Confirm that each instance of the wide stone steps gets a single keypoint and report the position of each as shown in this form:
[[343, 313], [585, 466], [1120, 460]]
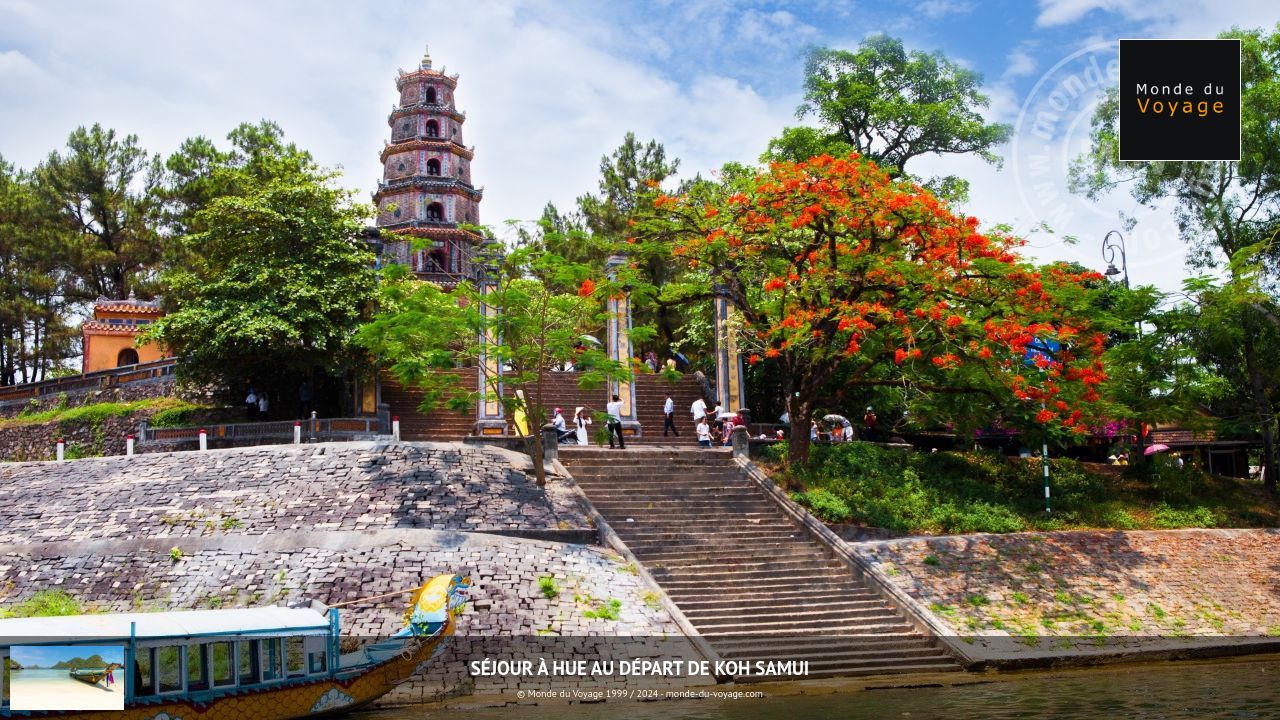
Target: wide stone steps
[[819, 642], [749, 579], [784, 629], [779, 598], [801, 611]]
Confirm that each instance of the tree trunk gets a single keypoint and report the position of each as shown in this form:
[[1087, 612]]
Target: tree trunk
[[801, 410], [1266, 418]]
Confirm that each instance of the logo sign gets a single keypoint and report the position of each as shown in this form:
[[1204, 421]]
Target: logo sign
[[1042, 353], [1180, 100]]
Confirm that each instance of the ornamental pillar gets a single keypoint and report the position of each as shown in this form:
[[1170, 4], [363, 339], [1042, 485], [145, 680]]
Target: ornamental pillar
[[731, 391], [618, 344], [490, 418]]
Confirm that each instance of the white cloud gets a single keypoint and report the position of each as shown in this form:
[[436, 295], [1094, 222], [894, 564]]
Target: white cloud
[[1170, 18], [1021, 63], [546, 91]]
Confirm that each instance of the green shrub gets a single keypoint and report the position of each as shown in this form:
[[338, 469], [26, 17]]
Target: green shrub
[[176, 416], [1174, 485], [1169, 518], [825, 504], [46, 603]]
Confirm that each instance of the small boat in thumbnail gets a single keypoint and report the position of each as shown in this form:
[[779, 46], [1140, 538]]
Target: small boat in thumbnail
[[266, 663], [93, 676]]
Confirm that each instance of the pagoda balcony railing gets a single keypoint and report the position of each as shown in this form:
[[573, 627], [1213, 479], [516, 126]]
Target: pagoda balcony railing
[[429, 180], [436, 107], [428, 137]]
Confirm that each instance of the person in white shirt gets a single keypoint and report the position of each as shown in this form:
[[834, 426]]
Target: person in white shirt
[[615, 422], [699, 410], [581, 419], [704, 432], [669, 417], [562, 431], [262, 406]]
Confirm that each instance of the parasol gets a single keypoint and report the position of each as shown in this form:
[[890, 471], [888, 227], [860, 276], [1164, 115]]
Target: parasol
[[1158, 447]]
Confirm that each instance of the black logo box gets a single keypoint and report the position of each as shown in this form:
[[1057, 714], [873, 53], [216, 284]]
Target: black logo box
[[1161, 77]]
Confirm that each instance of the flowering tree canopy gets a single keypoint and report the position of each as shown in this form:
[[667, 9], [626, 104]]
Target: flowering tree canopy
[[832, 261]]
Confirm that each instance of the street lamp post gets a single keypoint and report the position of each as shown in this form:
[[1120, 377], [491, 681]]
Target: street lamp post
[[1109, 248]]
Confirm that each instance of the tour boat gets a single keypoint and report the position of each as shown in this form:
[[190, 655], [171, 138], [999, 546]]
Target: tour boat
[[266, 663]]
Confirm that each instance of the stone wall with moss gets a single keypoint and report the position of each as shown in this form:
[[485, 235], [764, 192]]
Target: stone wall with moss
[[92, 429]]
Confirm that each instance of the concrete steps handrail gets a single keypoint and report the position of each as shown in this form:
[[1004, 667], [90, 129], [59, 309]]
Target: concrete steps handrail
[[915, 613]]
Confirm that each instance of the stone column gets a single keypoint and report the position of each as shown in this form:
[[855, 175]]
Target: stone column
[[490, 418], [618, 345], [730, 389]]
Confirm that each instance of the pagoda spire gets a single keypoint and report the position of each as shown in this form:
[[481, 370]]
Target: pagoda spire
[[426, 190]]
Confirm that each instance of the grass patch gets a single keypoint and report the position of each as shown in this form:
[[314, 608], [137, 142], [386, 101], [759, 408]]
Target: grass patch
[[968, 492], [549, 587], [46, 603], [606, 610], [169, 409]]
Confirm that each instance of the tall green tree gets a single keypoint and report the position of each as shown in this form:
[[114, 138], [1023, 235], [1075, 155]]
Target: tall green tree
[[104, 188], [1223, 209], [627, 177], [519, 323], [891, 106], [283, 279], [36, 336]]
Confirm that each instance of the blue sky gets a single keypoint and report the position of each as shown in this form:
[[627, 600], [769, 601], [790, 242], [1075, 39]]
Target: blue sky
[[50, 655], [550, 86]]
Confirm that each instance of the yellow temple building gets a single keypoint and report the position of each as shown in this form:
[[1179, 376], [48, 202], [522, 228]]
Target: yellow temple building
[[110, 336]]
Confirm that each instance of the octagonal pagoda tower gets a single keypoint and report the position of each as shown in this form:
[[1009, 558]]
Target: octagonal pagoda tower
[[426, 188]]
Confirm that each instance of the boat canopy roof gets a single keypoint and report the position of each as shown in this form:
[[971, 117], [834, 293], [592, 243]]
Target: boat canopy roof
[[72, 629]]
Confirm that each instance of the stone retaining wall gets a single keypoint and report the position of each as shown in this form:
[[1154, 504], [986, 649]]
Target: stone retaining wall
[[327, 486], [508, 612], [1046, 598], [159, 387]]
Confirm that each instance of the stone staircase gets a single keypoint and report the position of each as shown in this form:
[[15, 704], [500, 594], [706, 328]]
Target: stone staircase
[[750, 580]]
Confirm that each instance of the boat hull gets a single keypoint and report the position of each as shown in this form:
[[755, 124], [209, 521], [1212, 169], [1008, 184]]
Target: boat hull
[[304, 698]]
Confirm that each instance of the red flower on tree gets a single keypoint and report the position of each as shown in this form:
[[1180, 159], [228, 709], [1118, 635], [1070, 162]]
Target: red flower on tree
[[877, 272]]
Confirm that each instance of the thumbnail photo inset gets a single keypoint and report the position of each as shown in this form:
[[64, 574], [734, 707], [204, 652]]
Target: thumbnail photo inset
[[66, 677]]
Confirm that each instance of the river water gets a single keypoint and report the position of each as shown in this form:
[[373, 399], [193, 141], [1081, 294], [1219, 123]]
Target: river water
[[1173, 691]]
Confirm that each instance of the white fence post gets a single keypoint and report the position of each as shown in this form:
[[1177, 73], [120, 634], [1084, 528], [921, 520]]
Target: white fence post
[[204, 439], [62, 447], [395, 428], [128, 445], [297, 432]]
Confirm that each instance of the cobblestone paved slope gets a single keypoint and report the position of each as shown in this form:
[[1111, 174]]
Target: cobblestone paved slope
[[1091, 592], [328, 486]]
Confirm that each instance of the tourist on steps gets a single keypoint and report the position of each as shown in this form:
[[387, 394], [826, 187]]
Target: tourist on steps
[[562, 432], [581, 419], [699, 410], [704, 432], [615, 422], [251, 405], [669, 417]]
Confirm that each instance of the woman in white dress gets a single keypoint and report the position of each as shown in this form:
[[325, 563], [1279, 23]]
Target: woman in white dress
[[581, 419]]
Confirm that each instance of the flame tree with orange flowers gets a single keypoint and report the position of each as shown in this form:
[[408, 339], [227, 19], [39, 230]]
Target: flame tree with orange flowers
[[833, 262]]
